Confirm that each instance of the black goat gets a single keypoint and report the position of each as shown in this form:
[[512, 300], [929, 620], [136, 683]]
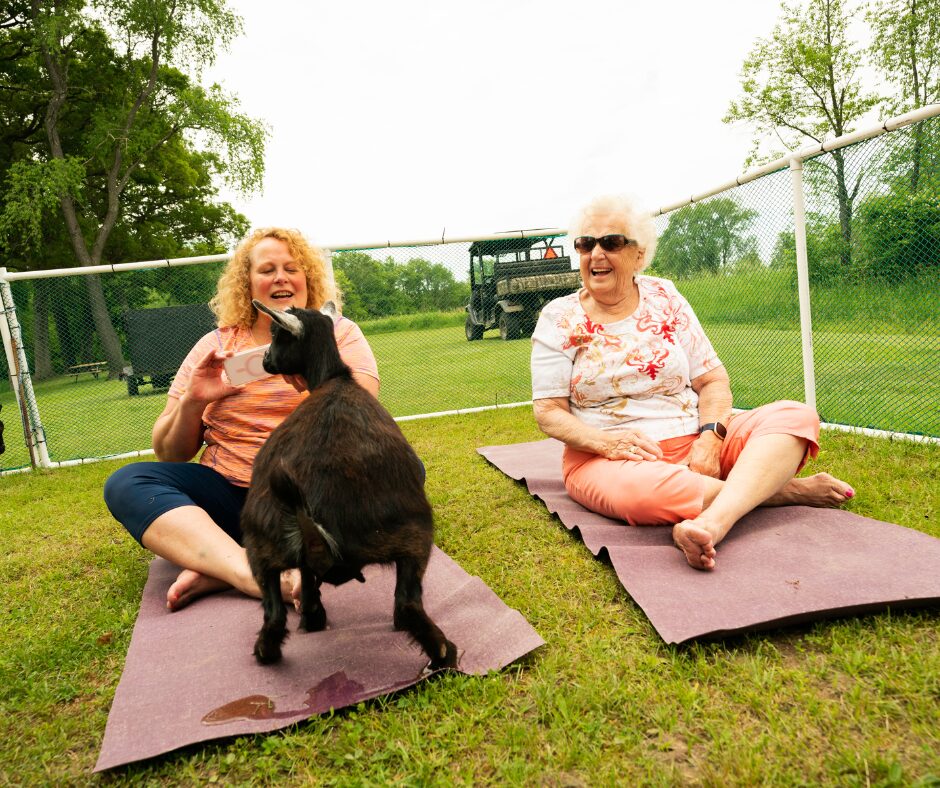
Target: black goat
[[335, 487]]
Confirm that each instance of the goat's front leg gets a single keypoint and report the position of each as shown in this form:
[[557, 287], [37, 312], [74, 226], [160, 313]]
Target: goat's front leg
[[411, 617], [274, 629], [312, 614]]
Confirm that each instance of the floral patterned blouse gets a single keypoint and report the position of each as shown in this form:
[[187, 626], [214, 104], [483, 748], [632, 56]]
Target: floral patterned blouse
[[636, 372]]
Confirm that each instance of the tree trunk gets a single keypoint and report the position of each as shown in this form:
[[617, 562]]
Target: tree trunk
[[918, 133], [42, 357], [110, 343], [845, 211], [69, 343]]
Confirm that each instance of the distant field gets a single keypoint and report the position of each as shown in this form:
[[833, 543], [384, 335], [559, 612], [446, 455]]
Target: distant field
[[889, 381]]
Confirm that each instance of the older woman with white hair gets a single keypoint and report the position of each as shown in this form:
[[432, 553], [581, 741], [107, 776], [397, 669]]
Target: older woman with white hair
[[625, 377]]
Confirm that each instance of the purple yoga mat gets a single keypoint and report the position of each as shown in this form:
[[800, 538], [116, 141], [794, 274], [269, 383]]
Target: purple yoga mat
[[777, 566], [190, 676]]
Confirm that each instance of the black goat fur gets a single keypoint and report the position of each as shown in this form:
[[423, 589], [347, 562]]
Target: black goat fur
[[335, 487]]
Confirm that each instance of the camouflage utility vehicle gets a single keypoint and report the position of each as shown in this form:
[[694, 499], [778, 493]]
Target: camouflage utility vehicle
[[511, 279]]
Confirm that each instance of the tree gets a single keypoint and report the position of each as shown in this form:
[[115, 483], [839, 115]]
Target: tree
[[802, 85], [899, 235], [373, 283], [429, 287], [824, 250], [705, 237], [117, 117], [906, 48]]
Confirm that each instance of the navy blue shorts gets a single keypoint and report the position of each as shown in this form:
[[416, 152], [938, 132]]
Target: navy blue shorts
[[139, 493]]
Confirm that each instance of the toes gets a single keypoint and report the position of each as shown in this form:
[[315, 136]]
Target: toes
[[696, 543]]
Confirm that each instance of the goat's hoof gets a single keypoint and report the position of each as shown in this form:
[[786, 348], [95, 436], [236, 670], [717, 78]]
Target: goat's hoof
[[314, 621], [267, 653], [448, 660]]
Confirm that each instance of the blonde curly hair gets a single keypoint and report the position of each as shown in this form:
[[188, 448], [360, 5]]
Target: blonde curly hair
[[231, 303]]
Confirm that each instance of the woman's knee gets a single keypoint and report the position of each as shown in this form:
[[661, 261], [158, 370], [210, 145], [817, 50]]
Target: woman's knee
[[120, 484], [136, 494], [653, 493], [802, 412]]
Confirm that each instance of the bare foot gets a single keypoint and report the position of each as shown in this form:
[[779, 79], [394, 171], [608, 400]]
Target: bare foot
[[290, 587], [694, 539], [820, 490], [190, 585]]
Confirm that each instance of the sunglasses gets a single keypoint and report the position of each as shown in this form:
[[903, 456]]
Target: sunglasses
[[609, 243]]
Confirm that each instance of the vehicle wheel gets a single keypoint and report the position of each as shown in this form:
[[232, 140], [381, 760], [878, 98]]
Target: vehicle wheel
[[509, 326], [131, 386], [472, 330]]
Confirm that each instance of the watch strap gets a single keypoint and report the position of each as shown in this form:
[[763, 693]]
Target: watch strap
[[716, 426]]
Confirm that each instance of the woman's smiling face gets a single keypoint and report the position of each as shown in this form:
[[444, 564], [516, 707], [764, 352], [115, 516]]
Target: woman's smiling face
[[608, 276], [277, 280]]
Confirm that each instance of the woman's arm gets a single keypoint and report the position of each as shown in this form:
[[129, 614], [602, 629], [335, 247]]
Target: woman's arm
[[556, 420], [714, 404], [177, 433], [714, 395], [368, 382]]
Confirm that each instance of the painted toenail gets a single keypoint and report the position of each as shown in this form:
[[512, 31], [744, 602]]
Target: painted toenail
[[850, 493]]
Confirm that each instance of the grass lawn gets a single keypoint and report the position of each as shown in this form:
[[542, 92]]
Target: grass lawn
[[851, 702]]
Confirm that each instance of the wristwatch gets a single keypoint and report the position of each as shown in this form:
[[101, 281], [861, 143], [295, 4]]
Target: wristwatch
[[719, 429]]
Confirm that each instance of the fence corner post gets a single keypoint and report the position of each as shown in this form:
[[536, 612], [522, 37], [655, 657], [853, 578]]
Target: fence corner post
[[19, 377]]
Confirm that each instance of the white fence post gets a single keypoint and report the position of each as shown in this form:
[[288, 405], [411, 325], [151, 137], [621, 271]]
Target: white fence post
[[20, 379], [802, 276]]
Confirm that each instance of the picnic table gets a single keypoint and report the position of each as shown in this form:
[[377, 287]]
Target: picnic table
[[94, 367]]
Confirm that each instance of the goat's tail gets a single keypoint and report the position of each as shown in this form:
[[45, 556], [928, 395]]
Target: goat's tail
[[288, 492]]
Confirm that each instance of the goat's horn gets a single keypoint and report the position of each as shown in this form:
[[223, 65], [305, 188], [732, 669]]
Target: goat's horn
[[283, 319]]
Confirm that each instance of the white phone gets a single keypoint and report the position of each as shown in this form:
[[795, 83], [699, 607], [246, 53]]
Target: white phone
[[245, 366]]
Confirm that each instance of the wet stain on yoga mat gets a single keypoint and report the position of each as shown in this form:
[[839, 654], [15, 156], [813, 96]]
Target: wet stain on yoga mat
[[335, 691], [254, 707]]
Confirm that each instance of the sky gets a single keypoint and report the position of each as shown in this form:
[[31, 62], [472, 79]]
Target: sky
[[414, 119]]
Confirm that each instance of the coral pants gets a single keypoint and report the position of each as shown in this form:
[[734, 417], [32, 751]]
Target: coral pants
[[662, 492]]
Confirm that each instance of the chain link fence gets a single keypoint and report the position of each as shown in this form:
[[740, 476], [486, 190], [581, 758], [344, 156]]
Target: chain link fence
[[449, 322]]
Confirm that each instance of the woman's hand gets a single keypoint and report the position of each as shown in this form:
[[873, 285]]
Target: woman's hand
[[555, 419], [206, 383], [178, 431], [704, 456], [630, 445]]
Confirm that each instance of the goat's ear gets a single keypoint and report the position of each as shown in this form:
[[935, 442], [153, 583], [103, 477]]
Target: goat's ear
[[290, 322], [329, 309]]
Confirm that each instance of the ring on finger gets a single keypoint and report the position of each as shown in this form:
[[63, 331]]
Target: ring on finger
[[633, 448]]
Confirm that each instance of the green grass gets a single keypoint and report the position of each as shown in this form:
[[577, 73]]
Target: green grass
[[421, 320], [769, 298], [853, 702]]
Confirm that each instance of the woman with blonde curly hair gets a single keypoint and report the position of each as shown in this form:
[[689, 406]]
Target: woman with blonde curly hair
[[189, 512]]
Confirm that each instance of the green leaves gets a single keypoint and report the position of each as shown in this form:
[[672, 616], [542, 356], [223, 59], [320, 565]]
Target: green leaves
[[906, 48], [33, 191], [802, 84], [706, 237]]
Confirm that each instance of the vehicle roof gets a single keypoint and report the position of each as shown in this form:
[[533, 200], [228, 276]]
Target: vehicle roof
[[507, 244]]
